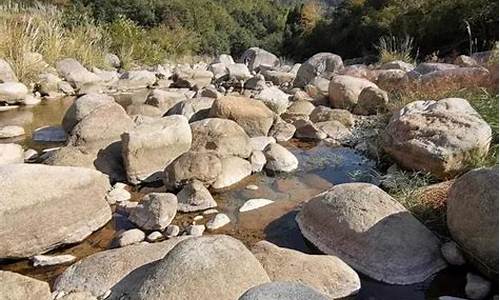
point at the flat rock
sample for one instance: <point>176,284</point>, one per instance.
<point>11,154</point>
<point>18,287</point>
<point>53,134</point>
<point>219,220</point>
<point>234,169</point>
<point>12,131</point>
<point>48,260</point>
<point>254,204</point>
<point>73,197</point>
<point>348,221</point>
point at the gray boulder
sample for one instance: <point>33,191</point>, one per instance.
<point>256,58</point>
<point>74,73</point>
<point>321,64</point>
<point>194,196</point>
<point>349,221</point>
<point>155,211</point>
<point>283,291</point>
<point>202,166</point>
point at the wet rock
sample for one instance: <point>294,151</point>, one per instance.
<point>195,230</point>
<point>47,260</point>
<point>282,290</point>
<point>440,137</point>
<point>202,166</point>
<point>282,131</point>
<point>452,254</point>
<point>155,211</point>
<point>74,73</point>
<point>279,159</point>
<point>254,204</point>
<point>73,197</point>
<point>321,64</point>
<point>234,169</point>
<point>136,80</point>
<point>259,143</point>
<point>194,196</point>
<point>371,101</point>
<point>258,161</point>
<point>7,132</point>
<point>477,287</point>
<point>342,222</point>
<point>308,130</point>
<point>220,220</point>
<point>253,116</point>
<point>220,265</point>
<point>477,232</point>
<point>164,100</point>
<point>53,134</point>
<point>275,99</point>
<point>6,72</point>
<point>150,147</point>
<point>223,136</point>
<point>13,92</point>
<point>344,91</point>
<point>193,109</point>
<point>256,58</point>
<point>18,287</point>
<point>11,154</point>
<point>288,265</point>
<point>111,269</point>
<point>129,237</point>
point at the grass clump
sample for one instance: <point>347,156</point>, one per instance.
<point>391,48</point>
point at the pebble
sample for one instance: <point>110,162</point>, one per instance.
<point>211,211</point>
<point>48,260</point>
<point>198,218</point>
<point>252,187</point>
<point>218,221</point>
<point>254,204</point>
<point>477,287</point>
<point>154,236</point>
<point>30,155</point>
<point>118,195</point>
<point>11,131</point>
<point>171,231</point>
<point>130,237</point>
<point>452,254</point>
<point>196,230</point>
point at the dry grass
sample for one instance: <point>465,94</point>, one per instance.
<point>393,48</point>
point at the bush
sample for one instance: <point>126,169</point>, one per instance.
<point>391,48</point>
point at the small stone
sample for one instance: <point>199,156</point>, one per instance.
<point>129,237</point>
<point>198,218</point>
<point>257,160</point>
<point>196,230</point>
<point>30,155</point>
<point>477,287</point>
<point>154,236</point>
<point>452,254</point>
<point>7,132</point>
<point>11,154</point>
<point>218,221</point>
<point>118,195</point>
<point>210,212</point>
<point>171,231</point>
<point>195,196</point>
<point>47,260</point>
<point>252,187</point>
<point>254,204</point>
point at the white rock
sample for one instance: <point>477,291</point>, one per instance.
<point>13,92</point>
<point>477,287</point>
<point>255,204</point>
<point>31,100</point>
<point>196,230</point>
<point>279,159</point>
<point>234,169</point>
<point>48,260</point>
<point>154,236</point>
<point>171,231</point>
<point>252,187</point>
<point>118,195</point>
<point>259,143</point>
<point>258,161</point>
<point>198,218</point>
<point>11,154</point>
<point>218,221</point>
<point>11,131</point>
<point>130,237</point>
<point>30,155</point>
<point>210,212</point>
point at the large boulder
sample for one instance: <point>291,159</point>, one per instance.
<point>253,116</point>
<point>164,100</point>
<point>321,64</point>
<point>202,166</point>
<point>470,76</point>
<point>256,58</point>
<point>74,73</point>
<point>155,212</point>
<point>223,136</point>
<point>344,90</point>
<point>63,205</point>
<point>13,92</point>
<point>275,99</point>
<point>193,109</point>
<point>283,291</point>
<point>371,101</point>
<point>220,266</point>
<point>150,147</point>
<point>441,137</point>
<point>6,72</point>
<point>288,265</point>
<point>372,232</point>
<point>18,287</point>
<point>238,72</point>
<point>136,80</point>
<point>82,107</point>
<point>187,77</point>
<point>472,217</point>
<point>112,269</point>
